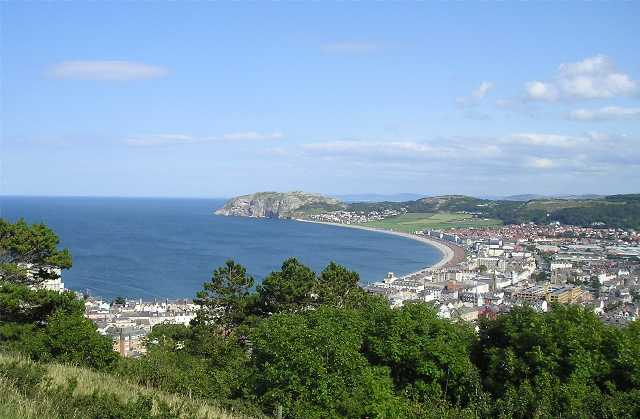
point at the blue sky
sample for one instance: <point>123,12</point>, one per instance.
<point>219,99</point>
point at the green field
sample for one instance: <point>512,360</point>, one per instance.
<point>411,222</point>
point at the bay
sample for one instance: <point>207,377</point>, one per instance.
<point>166,248</point>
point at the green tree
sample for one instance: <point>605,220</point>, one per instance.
<point>429,357</point>
<point>50,325</point>
<point>28,252</point>
<point>224,300</point>
<point>310,364</point>
<point>337,286</point>
<point>545,364</point>
<point>74,339</point>
<point>289,289</point>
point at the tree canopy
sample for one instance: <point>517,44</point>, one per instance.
<point>28,252</point>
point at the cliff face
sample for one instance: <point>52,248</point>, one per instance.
<point>276,204</point>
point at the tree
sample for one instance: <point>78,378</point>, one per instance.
<point>310,365</point>
<point>50,325</point>
<point>289,289</point>
<point>429,357</point>
<point>29,253</point>
<point>224,299</point>
<point>74,339</point>
<point>564,362</point>
<point>337,286</point>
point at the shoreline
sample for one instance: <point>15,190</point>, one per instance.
<point>450,253</point>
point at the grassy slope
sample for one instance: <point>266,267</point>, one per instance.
<point>611,211</point>
<point>411,222</point>
<point>13,404</point>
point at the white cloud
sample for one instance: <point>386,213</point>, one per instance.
<point>252,136</point>
<point>592,78</point>
<point>513,154</point>
<point>598,64</point>
<point>606,113</point>
<point>159,139</point>
<point>106,70</point>
<point>176,139</point>
<point>540,163</point>
<point>350,47</point>
<point>477,94</point>
<point>538,90</point>
<point>548,140</point>
<point>482,90</point>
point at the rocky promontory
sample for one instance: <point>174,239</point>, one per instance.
<point>278,205</point>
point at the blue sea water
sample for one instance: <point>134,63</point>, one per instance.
<point>157,248</point>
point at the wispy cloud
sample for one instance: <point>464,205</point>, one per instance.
<point>540,163</point>
<point>351,47</point>
<point>252,136</point>
<point>546,140</point>
<point>159,139</point>
<point>592,78</point>
<point>178,139</point>
<point>512,154</point>
<point>477,94</point>
<point>604,114</point>
<point>106,70</point>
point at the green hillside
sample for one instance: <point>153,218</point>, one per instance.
<point>33,390</point>
<point>621,211</point>
<point>411,222</point>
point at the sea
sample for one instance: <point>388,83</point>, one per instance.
<point>155,248</point>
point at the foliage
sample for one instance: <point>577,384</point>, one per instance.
<point>310,364</point>
<point>224,299</point>
<point>428,356</point>
<point>32,390</point>
<point>567,360</point>
<point>48,325</point>
<point>288,289</point>
<point>28,251</point>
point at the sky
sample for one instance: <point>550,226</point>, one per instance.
<point>214,99</point>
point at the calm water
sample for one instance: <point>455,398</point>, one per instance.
<point>149,248</point>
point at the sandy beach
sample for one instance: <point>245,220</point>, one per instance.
<point>451,254</point>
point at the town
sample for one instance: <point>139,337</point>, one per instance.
<point>355,217</point>
<point>527,264</point>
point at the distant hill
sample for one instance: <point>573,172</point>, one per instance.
<point>587,210</point>
<point>398,197</point>
<point>530,197</point>
<point>609,211</point>
<point>278,204</point>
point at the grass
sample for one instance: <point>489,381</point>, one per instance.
<point>16,404</point>
<point>411,222</point>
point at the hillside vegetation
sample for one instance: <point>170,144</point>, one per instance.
<point>35,391</point>
<point>411,222</point>
<point>611,211</point>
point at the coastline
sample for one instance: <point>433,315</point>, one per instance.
<point>450,253</point>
